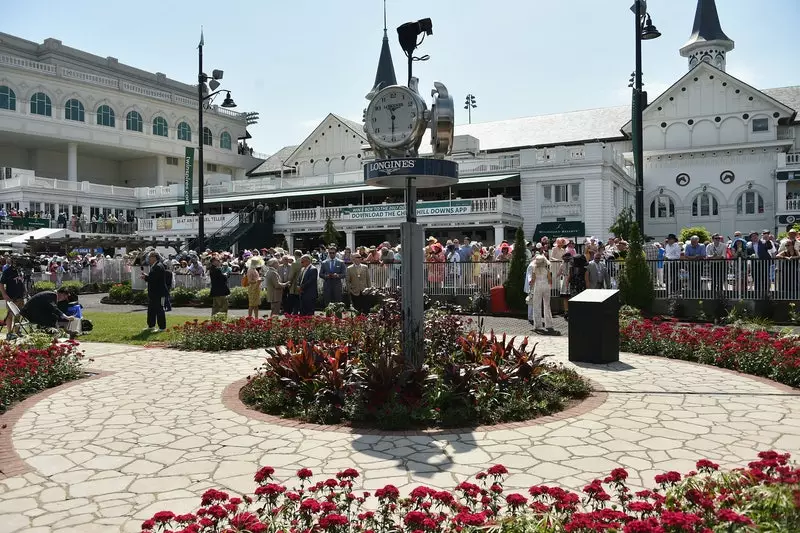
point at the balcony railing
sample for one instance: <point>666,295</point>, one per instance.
<point>793,158</point>
<point>38,182</point>
<point>565,209</point>
<point>793,204</point>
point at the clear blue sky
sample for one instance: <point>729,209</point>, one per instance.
<point>295,61</point>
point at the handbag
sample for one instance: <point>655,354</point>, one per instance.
<point>245,281</point>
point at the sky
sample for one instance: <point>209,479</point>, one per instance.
<point>295,61</point>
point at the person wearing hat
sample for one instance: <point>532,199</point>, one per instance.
<point>333,271</point>
<point>672,252</point>
<point>358,281</point>
<point>787,271</point>
<point>219,287</point>
<point>293,300</point>
<point>435,258</point>
<point>760,249</point>
<point>274,286</point>
<point>717,251</point>
<point>253,279</point>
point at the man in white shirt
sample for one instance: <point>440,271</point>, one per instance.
<point>672,252</point>
<point>718,251</point>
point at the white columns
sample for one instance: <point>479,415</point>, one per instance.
<point>72,161</point>
<point>499,234</point>
<point>350,238</point>
<point>161,163</point>
<point>289,238</point>
<point>780,194</point>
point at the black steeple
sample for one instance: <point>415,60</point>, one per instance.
<point>706,24</point>
<point>385,75</point>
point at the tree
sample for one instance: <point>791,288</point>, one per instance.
<point>700,231</point>
<point>623,225</point>
<point>515,295</point>
<point>330,235</point>
<point>636,282</point>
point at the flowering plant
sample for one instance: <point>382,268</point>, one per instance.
<point>763,496</point>
<point>37,363</point>
<point>758,352</point>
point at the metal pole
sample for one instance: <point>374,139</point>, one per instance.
<point>638,158</point>
<point>411,200</point>
<point>201,237</point>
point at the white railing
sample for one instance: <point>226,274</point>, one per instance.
<point>27,64</point>
<point>793,158</point>
<point>86,77</point>
<point>793,204</point>
<point>488,165</point>
<point>146,91</point>
<point>566,209</point>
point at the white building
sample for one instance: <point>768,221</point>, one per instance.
<point>718,153</point>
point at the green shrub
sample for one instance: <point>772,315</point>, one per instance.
<point>635,283</point>
<point>41,286</point>
<point>120,293</point>
<point>91,288</point>
<point>139,297</point>
<point>203,297</point>
<point>624,224</point>
<point>515,295</point>
<point>238,298</point>
<point>181,296</point>
<point>105,286</point>
<point>74,287</point>
<point>700,231</point>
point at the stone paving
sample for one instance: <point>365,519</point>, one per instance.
<point>106,453</point>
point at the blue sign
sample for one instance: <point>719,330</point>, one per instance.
<point>88,250</point>
<point>427,172</point>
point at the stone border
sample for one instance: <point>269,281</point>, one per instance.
<point>231,400</point>
<point>11,464</point>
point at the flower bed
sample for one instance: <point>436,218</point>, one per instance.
<point>765,496</point>
<point>38,364</point>
<point>758,352</point>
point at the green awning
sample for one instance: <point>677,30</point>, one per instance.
<point>553,230</point>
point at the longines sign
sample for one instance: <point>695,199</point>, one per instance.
<point>424,209</point>
<point>426,171</point>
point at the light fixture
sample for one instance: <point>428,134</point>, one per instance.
<point>649,31</point>
<point>216,74</point>
<point>228,102</point>
<point>213,84</point>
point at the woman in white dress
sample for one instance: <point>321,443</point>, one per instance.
<point>541,285</point>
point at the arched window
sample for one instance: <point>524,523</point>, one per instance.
<point>160,127</point>
<point>133,121</point>
<point>73,110</point>
<point>750,203</point>
<point>207,136</point>
<point>105,116</point>
<point>8,100</point>
<point>662,207</point>
<point>41,105</point>
<point>184,132</point>
<point>705,205</point>
<point>225,140</point>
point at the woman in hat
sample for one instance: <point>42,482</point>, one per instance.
<point>253,276</point>
<point>435,259</point>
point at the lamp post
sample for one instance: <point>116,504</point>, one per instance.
<point>644,31</point>
<point>469,105</point>
<point>204,99</point>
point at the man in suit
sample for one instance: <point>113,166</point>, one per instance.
<point>357,281</point>
<point>333,271</point>
<point>599,277</point>
<point>156,292</point>
<point>307,286</point>
<point>293,300</point>
<point>760,249</point>
<point>274,286</point>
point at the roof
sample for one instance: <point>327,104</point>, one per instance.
<point>275,162</point>
<point>706,24</point>
<point>547,130</point>
<point>355,127</point>
<point>385,76</point>
<point>788,96</point>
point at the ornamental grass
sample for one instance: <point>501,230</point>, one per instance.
<point>756,351</point>
<point>764,496</point>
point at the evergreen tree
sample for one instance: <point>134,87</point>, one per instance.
<point>515,295</point>
<point>623,225</point>
<point>330,235</point>
<point>635,280</point>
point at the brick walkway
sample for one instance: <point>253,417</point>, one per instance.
<point>104,454</point>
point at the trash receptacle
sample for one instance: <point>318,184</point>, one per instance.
<point>497,300</point>
<point>594,327</point>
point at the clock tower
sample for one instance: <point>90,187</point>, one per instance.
<point>708,42</point>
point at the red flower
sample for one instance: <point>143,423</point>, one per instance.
<point>497,470</point>
<point>304,473</point>
<point>729,515</point>
<point>332,520</point>
<point>516,500</point>
<point>163,516</point>
<point>389,492</point>
<point>706,465</point>
<point>349,473</point>
<point>264,473</point>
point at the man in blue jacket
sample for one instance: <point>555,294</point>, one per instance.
<point>760,249</point>
<point>333,271</point>
<point>307,286</point>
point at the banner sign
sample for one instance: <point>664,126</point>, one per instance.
<point>212,222</point>
<point>188,172</point>
<point>427,172</point>
<point>29,222</point>
<point>553,230</point>
<point>424,209</point>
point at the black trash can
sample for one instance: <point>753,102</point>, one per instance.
<point>594,327</point>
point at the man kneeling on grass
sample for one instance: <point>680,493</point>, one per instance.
<point>42,309</point>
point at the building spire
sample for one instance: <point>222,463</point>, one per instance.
<point>385,75</point>
<point>708,42</point>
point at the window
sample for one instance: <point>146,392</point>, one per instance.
<point>160,127</point>
<point>184,132</point>
<point>172,161</point>
<point>662,207</point>
<point>760,124</point>
<point>73,110</point>
<point>133,121</point>
<point>41,105</point>
<point>225,140</point>
<point>615,195</point>
<point>211,167</point>
<point>105,116</point>
<point>8,100</point>
<point>207,136</point>
<point>750,203</point>
<point>626,198</point>
<point>705,205</point>
<point>562,193</point>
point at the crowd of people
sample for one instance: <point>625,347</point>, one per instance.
<point>111,222</point>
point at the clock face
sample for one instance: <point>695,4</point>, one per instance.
<point>393,116</point>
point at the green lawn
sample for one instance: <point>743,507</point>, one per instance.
<point>126,328</point>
